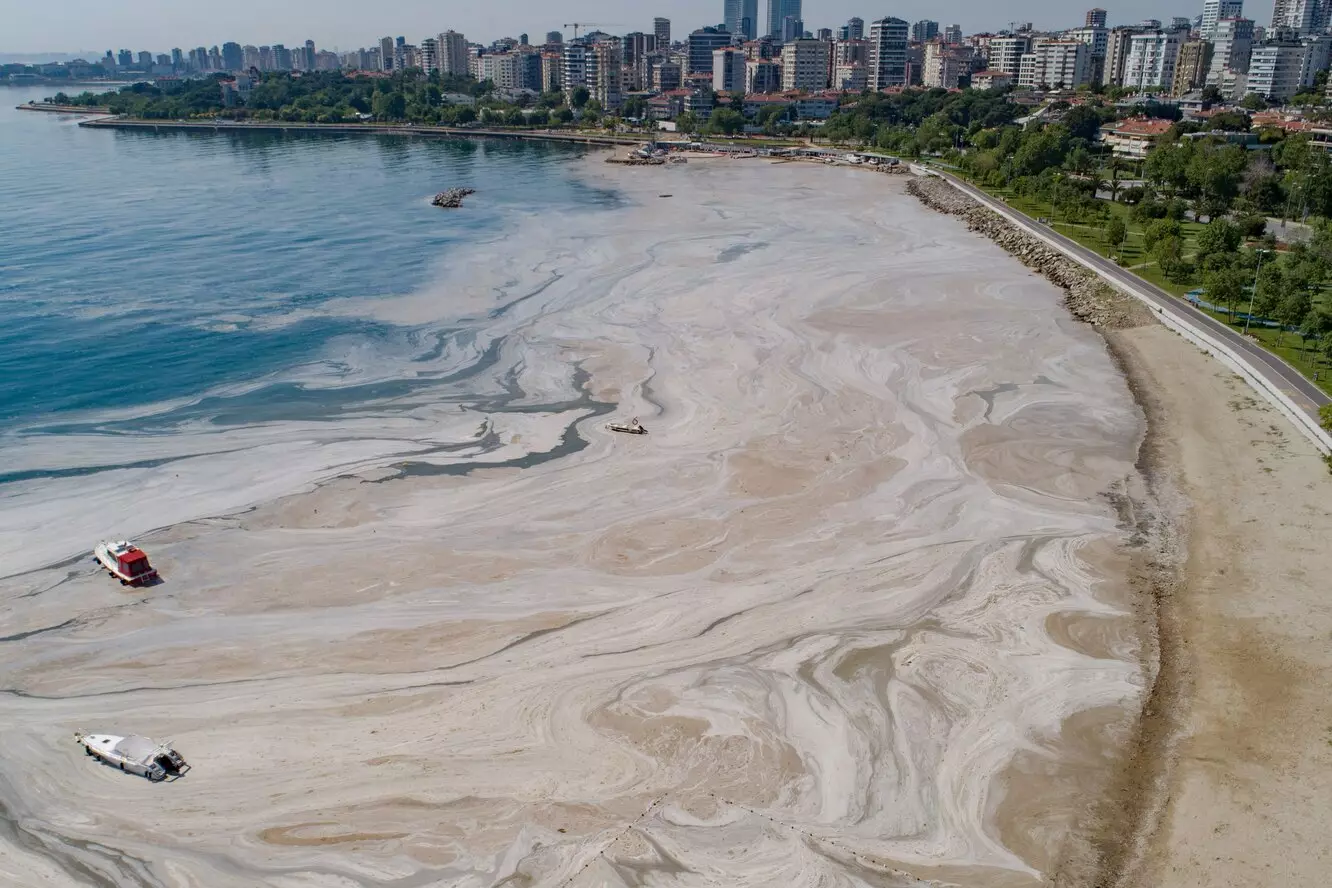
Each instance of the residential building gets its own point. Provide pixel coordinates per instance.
(924, 31)
(453, 53)
(850, 78)
(666, 74)
(1281, 69)
(728, 70)
(699, 103)
(1300, 18)
(661, 29)
(952, 35)
(638, 51)
(851, 52)
(609, 84)
(763, 76)
(430, 55)
(824, 34)
(1195, 57)
(855, 29)
(1214, 11)
(1231, 51)
(1098, 44)
(1151, 60)
(1006, 53)
(741, 17)
(233, 58)
(887, 53)
(1096, 18)
(386, 53)
(701, 45)
(1058, 64)
(554, 38)
(792, 28)
(943, 66)
(778, 13)
(991, 80)
(552, 71)
(1135, 137)
(579, 68)
(805, 65)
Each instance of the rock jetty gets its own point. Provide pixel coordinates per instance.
(452, 199)
(636, 160)
(1086, 296)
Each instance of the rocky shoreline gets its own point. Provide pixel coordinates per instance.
(1088, 297)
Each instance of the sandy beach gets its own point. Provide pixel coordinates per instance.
(859, 610)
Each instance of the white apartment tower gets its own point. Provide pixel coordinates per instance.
(805, 65)
(1302, 17)
(1231, 49)
(1151, 60)
(728, 70)
(430, 55)
(1061, 64)
(1006, 53)
(888, 53)
(1214, 11)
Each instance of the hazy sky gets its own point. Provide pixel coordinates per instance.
(158, 25)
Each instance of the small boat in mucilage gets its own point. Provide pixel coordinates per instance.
(126, 562)
(134, 754)
(633, 428)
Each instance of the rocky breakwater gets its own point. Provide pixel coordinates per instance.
(1087, 297)
(452, 199)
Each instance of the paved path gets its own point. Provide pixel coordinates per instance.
(1279, 374)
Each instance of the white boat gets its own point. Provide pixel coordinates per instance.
(134, 754)
(125, 561)
(634, 427)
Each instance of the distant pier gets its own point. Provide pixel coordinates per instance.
(63, 109)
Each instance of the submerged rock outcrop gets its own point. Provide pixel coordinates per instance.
(452, 199)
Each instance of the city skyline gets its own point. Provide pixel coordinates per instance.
(339, 25)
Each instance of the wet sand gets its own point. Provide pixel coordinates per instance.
(853, 613)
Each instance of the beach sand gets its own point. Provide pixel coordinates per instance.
(1246, 745)
(857, 611)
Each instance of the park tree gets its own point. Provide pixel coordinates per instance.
(1292, 310)
(1160, 230)
(580, 96)
(1116, 232)
(1220, 237)
(1224, 286)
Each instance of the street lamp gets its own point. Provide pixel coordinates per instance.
(1254, 294)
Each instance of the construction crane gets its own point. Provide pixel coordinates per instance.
(585, 25)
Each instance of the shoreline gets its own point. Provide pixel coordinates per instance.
(372, 129)
(1150, 829)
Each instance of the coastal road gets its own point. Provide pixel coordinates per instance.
(1278, 373)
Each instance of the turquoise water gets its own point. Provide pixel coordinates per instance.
(122, 254)
(176, 296)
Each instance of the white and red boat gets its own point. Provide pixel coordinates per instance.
(126, 562)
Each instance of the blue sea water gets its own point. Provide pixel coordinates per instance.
(150, 281)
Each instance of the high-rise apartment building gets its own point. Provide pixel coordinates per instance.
(1096, 18)
(728, 70)
(952, 35)
(854, 29)
(1214, 11)
(763, 76)
(888, 53)
(1276, 70)
(1116, 54)
(741, 17)
(386, 53)
(805, 65)
(924, 31)
(1300, 18)
(1151, 60)
(1057, 64)
(1195, 57)
(1006, 53)
(430, 55)
(453, 54)
(1232, 47)
(661, 27)
(1098, 45)
(778, 13)
(944, 66)
(610, 77)
(233, 58)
